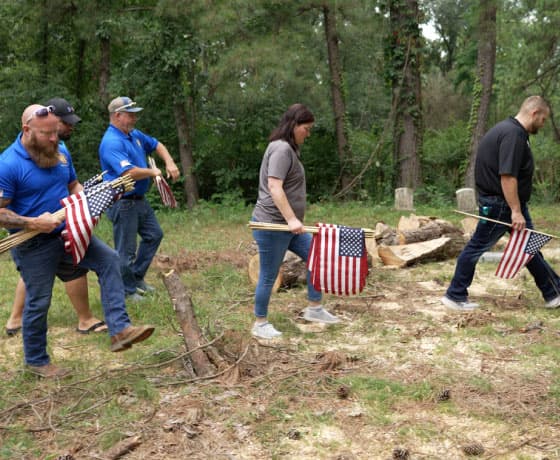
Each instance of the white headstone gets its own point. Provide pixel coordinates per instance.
(404, 199)
(466, 200)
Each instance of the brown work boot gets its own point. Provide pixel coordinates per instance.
(130, 335)
(49, 371)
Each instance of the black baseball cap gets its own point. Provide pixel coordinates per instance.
(64, 110)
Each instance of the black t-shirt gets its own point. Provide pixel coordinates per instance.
(504, 150)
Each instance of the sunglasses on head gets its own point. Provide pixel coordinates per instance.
(126, 106)
(41, 112)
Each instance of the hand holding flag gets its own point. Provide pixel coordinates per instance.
(520, 249)
(164, 190)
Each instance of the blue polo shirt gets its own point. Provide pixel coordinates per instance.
(33, 190)
(119, 152)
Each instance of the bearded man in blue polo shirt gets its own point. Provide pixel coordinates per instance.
(123, 150)
(34, 176)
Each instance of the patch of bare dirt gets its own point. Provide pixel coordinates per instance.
(402, 377)
(198, 260)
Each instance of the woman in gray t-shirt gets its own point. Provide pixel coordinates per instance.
(281, 199)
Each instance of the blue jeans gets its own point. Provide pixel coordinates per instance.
(129, 218)
(38, 261)
(272, 249)
(487, 235)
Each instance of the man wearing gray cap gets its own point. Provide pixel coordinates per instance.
(123, 150)
(74, 278)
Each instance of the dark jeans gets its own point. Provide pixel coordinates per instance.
(131, 218)
(487, 235)
(42, 258)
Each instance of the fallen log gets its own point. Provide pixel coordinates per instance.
(413, 229)
(408, 254)
(192, 334)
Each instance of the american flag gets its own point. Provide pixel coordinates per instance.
(521, 248)
(338, 259)
(93, 181)
(165, 192)
(167, 197)
(82, 214)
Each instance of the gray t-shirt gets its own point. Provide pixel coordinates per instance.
(282, 162)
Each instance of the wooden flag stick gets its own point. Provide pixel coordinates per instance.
(501, 223)
(368, 233)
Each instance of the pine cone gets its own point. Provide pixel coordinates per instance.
(294, 434)
(473, 449)
(443, 395)
(401, 454)
(343, 391)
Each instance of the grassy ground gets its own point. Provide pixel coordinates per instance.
(400, 378)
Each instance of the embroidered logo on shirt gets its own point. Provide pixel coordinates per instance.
(138, 142)
(125, 163)
(62, 158)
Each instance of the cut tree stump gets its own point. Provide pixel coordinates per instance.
(192, 334)
(293, 271)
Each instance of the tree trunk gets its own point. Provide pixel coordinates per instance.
(43, 51)
(186, 154)
(184, 122)
(80, 74)
(407, 94)
(483, 85)
(337, 94)
(104, 69)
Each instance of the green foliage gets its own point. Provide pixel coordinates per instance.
(546, 181)
(444, 153)
(238, 65)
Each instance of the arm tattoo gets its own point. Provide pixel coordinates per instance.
(8, 218)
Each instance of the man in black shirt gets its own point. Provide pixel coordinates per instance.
(504, 175)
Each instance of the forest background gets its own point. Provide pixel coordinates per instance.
(393, 106)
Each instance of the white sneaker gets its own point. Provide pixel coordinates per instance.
(265, 331)
(458, 306)
(554, 303)
(319, 315)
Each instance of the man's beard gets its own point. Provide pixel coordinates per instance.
(44, 156)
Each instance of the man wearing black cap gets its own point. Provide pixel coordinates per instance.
(76, 281)
(123, 150)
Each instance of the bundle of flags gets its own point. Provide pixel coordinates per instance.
(83, 210)
(338, 259)
(520, 249)
(167, 197)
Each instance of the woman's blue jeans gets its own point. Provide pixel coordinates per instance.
(484, 238)
(272, 248)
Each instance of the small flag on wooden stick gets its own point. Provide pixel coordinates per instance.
(82, 215)
(520, 249)
(338, 259)
(167, 197)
